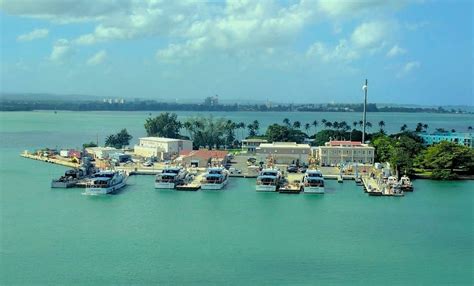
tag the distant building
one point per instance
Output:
(250, 145)
(212, 100)
(163, 148)
(336, 152)
(102, 152)
(284, 152)
(203, 157)
(464, 139)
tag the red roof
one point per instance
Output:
(352, 143)
(205, 154)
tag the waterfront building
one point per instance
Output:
(102, 152)
(250, 145)
(284, 152)
(161, 147)
(464, 139)
(203, 158)
(335, 152)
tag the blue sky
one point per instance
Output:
(412, 52)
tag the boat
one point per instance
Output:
(105, 182)
(340, 179)
(215, 179)
(313, 182)
(294, 187)
(406, 184)
(397, 190)
(68, 180)
(170, 177)
(358, 181)
(268, 180)
(73, 176)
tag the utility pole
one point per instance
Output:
(365, 111)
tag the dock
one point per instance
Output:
(194, 185)
(50, 160)
(294, 185)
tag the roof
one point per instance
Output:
(285, 145)
(204, 154)
(162, 139)
(352, 143)
(255, 140)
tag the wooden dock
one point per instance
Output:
(194, 185)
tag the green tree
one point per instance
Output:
(446, 157)
(90, 144)
(118, 140)
(383, 148)
(164, 125)
(296, 125)
(283, 133)
(381, 125)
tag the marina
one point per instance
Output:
(311, 181)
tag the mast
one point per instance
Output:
(365, 111)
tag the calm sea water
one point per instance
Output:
(238, 236)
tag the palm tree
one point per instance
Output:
(241, 126)
(355, 124)
(361, 123)
(469, 128)
(453, 130)
(307, 126)
(286, 121)
(381, 125)
(335, 125)
(403, 128)
(419, 127)
(297, 125)
(315, 124)
(256, 126)
(368, 125)
(328, 124)
(425, 126)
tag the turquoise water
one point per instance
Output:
(238, 237)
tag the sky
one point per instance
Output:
(308, 51)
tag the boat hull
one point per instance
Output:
(214, 186)
(266, 188)
(161, 185)
(104, 191)
(313, 190)
(62, 184)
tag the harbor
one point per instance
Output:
(373, 179)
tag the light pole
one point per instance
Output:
(365, 111)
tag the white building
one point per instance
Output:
(336, 152)
(250, 145)
(163, 148)
(102, 152)
(284, 152)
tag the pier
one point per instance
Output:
(70, 164)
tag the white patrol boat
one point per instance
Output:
(313, 182)
(269, 180)
(105, 182)
(170, 177)
(215, 179)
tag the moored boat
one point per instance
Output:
(105, 182)
(313, 182)
(406, 184)
(170, 177)
(215, 179)
(268, 180)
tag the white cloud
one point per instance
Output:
(61, 51)
(348, 8)
(372, 34)
(244, 25)
(408, 68)
(33, 35)
(395, 51)
(97, 58)
(341, 52)
(65, 11)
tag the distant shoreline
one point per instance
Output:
(153, 106)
